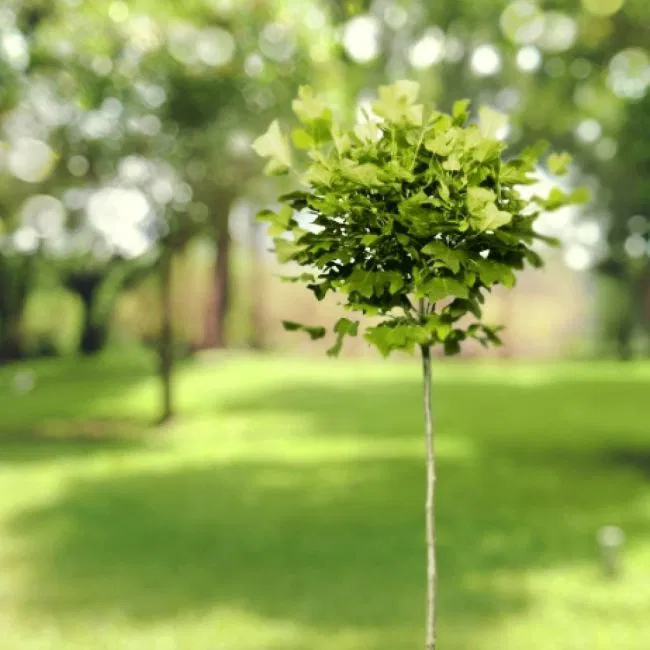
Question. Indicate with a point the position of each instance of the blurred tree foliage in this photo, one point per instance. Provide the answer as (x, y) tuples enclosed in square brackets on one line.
[(163, 99)]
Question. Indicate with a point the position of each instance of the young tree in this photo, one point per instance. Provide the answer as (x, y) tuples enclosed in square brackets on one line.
[(415, 216)]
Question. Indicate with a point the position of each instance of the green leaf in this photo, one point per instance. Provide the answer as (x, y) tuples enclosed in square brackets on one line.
[(301, 139), (491, 272), (382, 337), (344, 327), (452, 164), (316, 174), (303, 277), (451, 346), (451, 258), (443, 191), (394, 279), (580, 196), (460, 112), (390, 336), (534, 258), (310, 109), (342, 140), (364, 174), (469, 278), (558, 163), (490, 122), (513, 174), (396, 103), (485, 149), (478, 198), (485, 215), (529, 157), (439, 123), (443, 331), (485, 334), (320, 290), (461, 306), (286, 250), (493, 218), (367, 132), (274, 146), (442, 144), (431, 323), (265, 215), (362, 282), (314, 332), (280, 222), (439, 288), (557, 198)]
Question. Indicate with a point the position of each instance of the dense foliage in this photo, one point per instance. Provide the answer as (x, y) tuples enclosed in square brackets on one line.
[(414, 215)]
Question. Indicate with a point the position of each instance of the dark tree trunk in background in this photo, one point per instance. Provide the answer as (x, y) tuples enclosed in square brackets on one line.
[(11, 340), (257, 295), (219, 294), (634, 318), (644, 306), (94, 332), (15, 279), (620, 311), (166, 344), (222, 285), (624, 335)]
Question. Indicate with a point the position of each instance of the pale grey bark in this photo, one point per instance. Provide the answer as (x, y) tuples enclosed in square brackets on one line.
[(430, 502)]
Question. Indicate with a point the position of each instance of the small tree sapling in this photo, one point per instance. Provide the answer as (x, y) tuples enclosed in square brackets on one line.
[(415, 215)]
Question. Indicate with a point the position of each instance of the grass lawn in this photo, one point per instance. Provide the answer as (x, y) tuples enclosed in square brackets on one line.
[(284, 510)]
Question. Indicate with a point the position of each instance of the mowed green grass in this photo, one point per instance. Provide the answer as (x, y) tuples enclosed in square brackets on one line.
[(283, 510)]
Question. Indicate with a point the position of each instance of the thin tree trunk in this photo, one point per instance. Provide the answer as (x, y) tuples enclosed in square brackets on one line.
[(15, 283), (642, 302), (166, 347), (219, 295), (256, 288), (94, 332), (624, 332), (430, 502), (11, 339), (222, 285)]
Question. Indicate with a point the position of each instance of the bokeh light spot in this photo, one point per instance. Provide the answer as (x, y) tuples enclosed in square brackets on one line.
[(429, 50), (588, 130), (31, 160), (361, 37), (602, 7), (529, 58), (486, 60), (629, 73), (522, 22)]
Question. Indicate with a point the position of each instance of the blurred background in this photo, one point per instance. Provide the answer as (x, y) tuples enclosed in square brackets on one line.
[(281, 509)]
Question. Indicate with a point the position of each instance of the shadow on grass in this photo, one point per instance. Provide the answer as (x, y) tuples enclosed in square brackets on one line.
[(69, 407), (326, 545), (575, 415), (339, 543), (70, 438)]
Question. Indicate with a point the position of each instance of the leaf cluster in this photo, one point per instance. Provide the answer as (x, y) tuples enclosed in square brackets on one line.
[(413, 215)]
